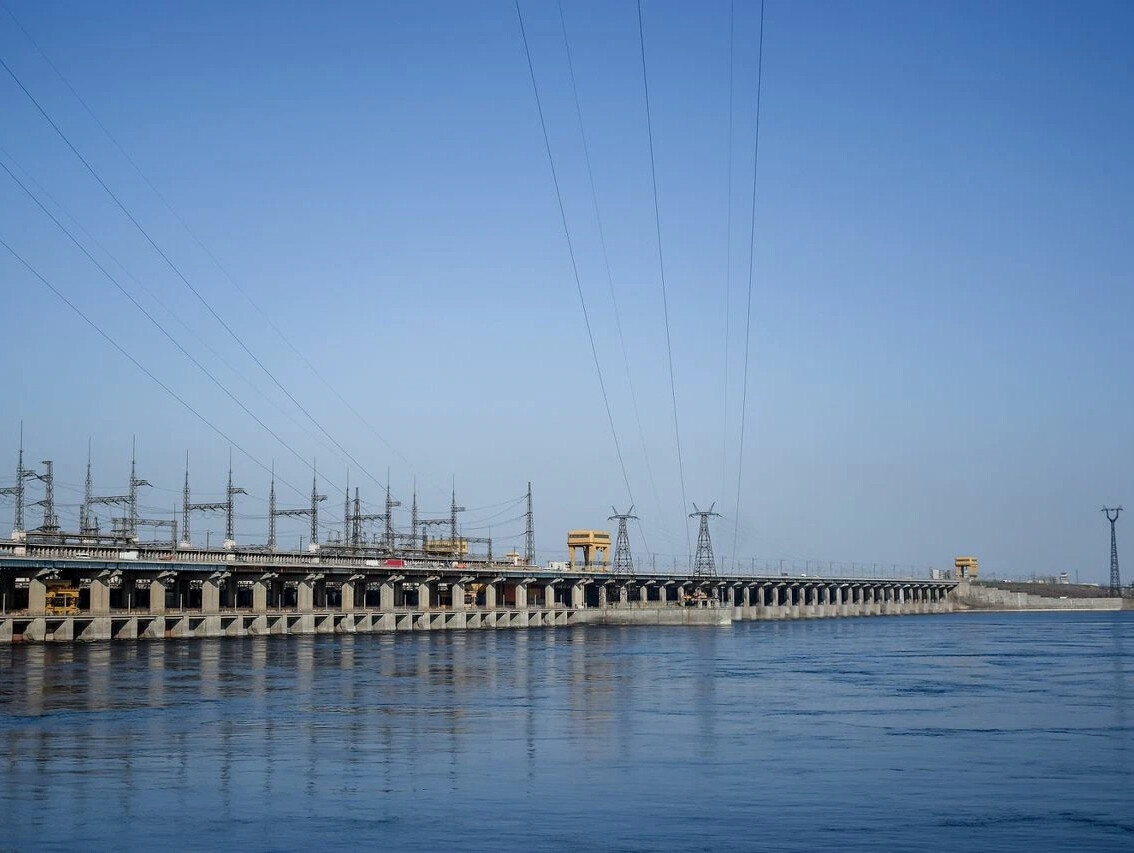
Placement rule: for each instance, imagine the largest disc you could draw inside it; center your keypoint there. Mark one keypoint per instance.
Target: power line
(137, 363)
(728, 245)
(151, 294)
(181, 275)
(609, 275)
(661, 268)
(571, 252)
(751, 264)
(201, 245)
(150, 317)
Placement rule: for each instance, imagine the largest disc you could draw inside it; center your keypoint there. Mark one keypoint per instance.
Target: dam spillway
(148, 592)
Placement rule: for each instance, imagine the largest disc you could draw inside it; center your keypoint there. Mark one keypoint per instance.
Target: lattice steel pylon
(227, 506)
(389, 515)
(1111, 514)
(623, 560)
(50, 519)
(529, 530)
(453, 510)
(127, 526)
(703, 563)
(17, 490)
(357, 518)
(311, 512)
(88, 524)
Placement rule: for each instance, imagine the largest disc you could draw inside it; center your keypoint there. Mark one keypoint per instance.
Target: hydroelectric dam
(76, 592)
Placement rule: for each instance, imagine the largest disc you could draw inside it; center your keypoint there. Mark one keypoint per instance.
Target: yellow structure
(447, 547)
(595, 545)
(965, 567)
(62, 600)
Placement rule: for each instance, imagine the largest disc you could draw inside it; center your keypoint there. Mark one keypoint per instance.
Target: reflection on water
(977, 730)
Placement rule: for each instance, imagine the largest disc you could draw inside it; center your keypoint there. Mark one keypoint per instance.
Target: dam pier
(66, 592)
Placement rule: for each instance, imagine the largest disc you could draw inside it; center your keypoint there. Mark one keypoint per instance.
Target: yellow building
(447, 547)
(965, 567)
(595, 545)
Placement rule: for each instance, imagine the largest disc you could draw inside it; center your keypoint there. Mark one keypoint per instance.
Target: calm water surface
(967, 731)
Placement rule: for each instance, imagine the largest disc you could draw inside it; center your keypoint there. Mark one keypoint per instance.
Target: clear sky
(940, 339)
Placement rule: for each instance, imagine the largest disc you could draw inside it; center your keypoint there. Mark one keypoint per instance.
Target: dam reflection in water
(973, 729)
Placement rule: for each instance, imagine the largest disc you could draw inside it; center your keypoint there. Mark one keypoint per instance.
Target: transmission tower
(50, 519)
(127, 526)
(88, 525)
(390, 504)
(272, 511)
(230, 492)
(17, 490)
(623, 562)
(1115, 581)
(413, 517)
(348, 516)
(315, 499)
(227, 506)
(453, 510)
(311, 512)
(357, 518)
(703, 564)
(529, 532)
(131, 525)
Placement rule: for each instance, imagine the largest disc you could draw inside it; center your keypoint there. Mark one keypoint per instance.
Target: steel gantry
(226, 506)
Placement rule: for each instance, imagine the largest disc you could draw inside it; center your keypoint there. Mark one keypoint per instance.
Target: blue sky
(941, 302)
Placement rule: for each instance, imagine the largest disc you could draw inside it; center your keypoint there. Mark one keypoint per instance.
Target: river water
(960, 731)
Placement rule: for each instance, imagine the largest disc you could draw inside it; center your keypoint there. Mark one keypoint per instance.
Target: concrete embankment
(970, 596)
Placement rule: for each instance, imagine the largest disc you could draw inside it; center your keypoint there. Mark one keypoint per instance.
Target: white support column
(100, 595)
(37, 597)
(157, 596)
(490, 595)
(602, 595)
(304, 595)
(260, 590)
(386, 595)
(521, 596)
(578, 595)
(549, 596)
(348, 592)
(457, 594)
(210, 595)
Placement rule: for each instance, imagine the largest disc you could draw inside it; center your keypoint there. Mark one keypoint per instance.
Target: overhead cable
(661, 268)
(609, 275)
(571, 252)
(212, 378)
(201, 245)
(141, 366)
(728, 248)
(177, 270)
(751, 266)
